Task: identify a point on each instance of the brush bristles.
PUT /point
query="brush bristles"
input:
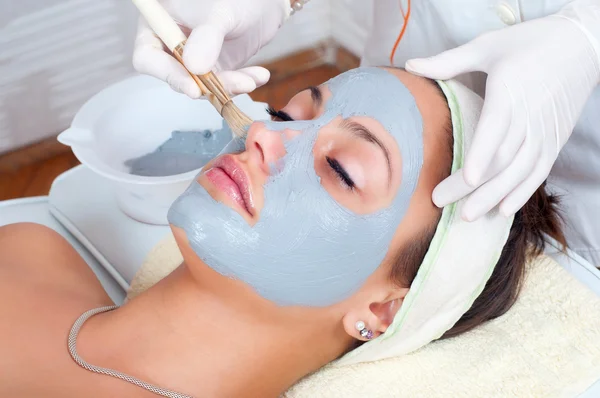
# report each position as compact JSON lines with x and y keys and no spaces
{"x":237,"y":120}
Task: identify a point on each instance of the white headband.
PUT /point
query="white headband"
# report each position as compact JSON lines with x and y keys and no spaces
{"x":459,"y":262}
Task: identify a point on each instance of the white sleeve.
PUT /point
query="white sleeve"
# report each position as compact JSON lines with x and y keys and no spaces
{"x":575,"y":176}
{"x":586,"y":14}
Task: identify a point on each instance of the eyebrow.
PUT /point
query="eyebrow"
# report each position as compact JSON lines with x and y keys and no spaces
{"x":365,"y":134}
{"x":315,"y":94}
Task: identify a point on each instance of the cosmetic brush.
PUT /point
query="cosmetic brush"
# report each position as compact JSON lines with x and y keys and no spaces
{"x":173,"y":37}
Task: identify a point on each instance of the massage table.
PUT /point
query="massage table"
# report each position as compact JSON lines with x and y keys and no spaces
{"x":81,"y":207}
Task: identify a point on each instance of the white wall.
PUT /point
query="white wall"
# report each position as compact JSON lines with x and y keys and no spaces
{"x":350,"y":22}
{"x":55,"y":54}
{"x":303,"y":30}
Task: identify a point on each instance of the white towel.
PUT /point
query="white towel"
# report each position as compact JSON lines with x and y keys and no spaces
{"x":546,"y":345}
{"x":160,"y":262}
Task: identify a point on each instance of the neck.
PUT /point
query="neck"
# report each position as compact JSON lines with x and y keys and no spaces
{"x":182,"y":336}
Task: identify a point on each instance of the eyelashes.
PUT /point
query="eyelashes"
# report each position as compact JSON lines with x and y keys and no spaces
{"x":340,"y":172}
{"x":338,"y":169}
{"x":281,"y":115}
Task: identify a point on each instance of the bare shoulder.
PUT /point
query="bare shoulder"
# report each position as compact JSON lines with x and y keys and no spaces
{"x":35,"y":256}
{"x":44,"y":286}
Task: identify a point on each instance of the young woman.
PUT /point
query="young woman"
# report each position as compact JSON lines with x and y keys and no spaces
{"x":317,"y":225}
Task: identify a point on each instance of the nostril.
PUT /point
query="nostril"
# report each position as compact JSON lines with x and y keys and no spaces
{"x":260,"y":150}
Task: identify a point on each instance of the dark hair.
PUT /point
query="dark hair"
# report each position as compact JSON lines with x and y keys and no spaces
{"x":538,"y":217}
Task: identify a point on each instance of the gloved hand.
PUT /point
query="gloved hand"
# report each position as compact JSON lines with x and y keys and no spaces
{"x":224,"y":35}
{"x":540,"y":75}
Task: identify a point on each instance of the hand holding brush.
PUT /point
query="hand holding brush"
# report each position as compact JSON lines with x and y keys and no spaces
{"x":174,"y":39}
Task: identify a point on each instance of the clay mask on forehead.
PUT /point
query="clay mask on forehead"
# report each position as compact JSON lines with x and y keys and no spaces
{"x":307,"y":249}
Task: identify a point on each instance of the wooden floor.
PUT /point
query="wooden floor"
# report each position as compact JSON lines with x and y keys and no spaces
{"x":35,"y":179}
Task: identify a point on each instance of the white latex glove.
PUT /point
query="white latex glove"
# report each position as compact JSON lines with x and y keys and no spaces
{"x":540,"y":75}
{"x":224,"y":35}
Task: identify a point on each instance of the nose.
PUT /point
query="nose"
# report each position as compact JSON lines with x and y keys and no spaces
{"x":265,"y":147}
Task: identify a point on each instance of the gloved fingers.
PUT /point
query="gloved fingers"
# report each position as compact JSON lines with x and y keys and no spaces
{"x":485,"y":198}
{"x":514,"y":139}
{"x":145,"y":36}
{"x":455,"y":187}
{"x":448,"y":64}
{"x":159,"y":64}
{"x":259,"y":74}
{"x":146,"y":43}
{"x":202,"y":48}
{"x":508,"y":150}
{"x":150,"y":58}
{"x":491,"y":193}
{"x":241,"y":81}
{"x":236,"y":83}
{"x":522,"y":193}
{"x":451,"y":189}
{"x":204,"y":44}
{"x":491,"y":131}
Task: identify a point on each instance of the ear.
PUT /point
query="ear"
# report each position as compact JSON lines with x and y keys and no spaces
{"x":376,"y":313}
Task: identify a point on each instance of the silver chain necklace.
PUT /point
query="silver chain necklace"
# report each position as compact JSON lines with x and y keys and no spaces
{"x":109,"y":372}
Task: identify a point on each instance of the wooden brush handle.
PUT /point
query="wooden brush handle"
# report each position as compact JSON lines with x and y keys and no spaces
{"x":161,"y":22}
{"x":178,"y":54}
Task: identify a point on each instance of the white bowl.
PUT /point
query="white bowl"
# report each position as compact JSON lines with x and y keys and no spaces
{"x":130,"y":119}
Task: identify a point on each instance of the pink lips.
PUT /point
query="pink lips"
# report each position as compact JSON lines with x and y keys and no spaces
{"x":231,"y":179}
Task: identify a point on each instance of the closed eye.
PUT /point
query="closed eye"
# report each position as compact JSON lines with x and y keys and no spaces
{"x":279,"y":115}
{"x":341,"y":173}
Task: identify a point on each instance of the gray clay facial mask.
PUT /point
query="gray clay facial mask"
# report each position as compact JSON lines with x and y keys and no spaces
{"x":306,"y":248}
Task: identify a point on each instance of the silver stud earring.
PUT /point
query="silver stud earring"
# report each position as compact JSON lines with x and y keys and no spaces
{"x":362,"y":329}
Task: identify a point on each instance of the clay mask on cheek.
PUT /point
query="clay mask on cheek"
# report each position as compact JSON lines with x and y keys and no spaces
{"x":306,"y":249}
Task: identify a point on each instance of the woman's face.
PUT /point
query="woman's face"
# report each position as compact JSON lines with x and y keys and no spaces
{"x":357,"y":160}
{"x":305,"y":210}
